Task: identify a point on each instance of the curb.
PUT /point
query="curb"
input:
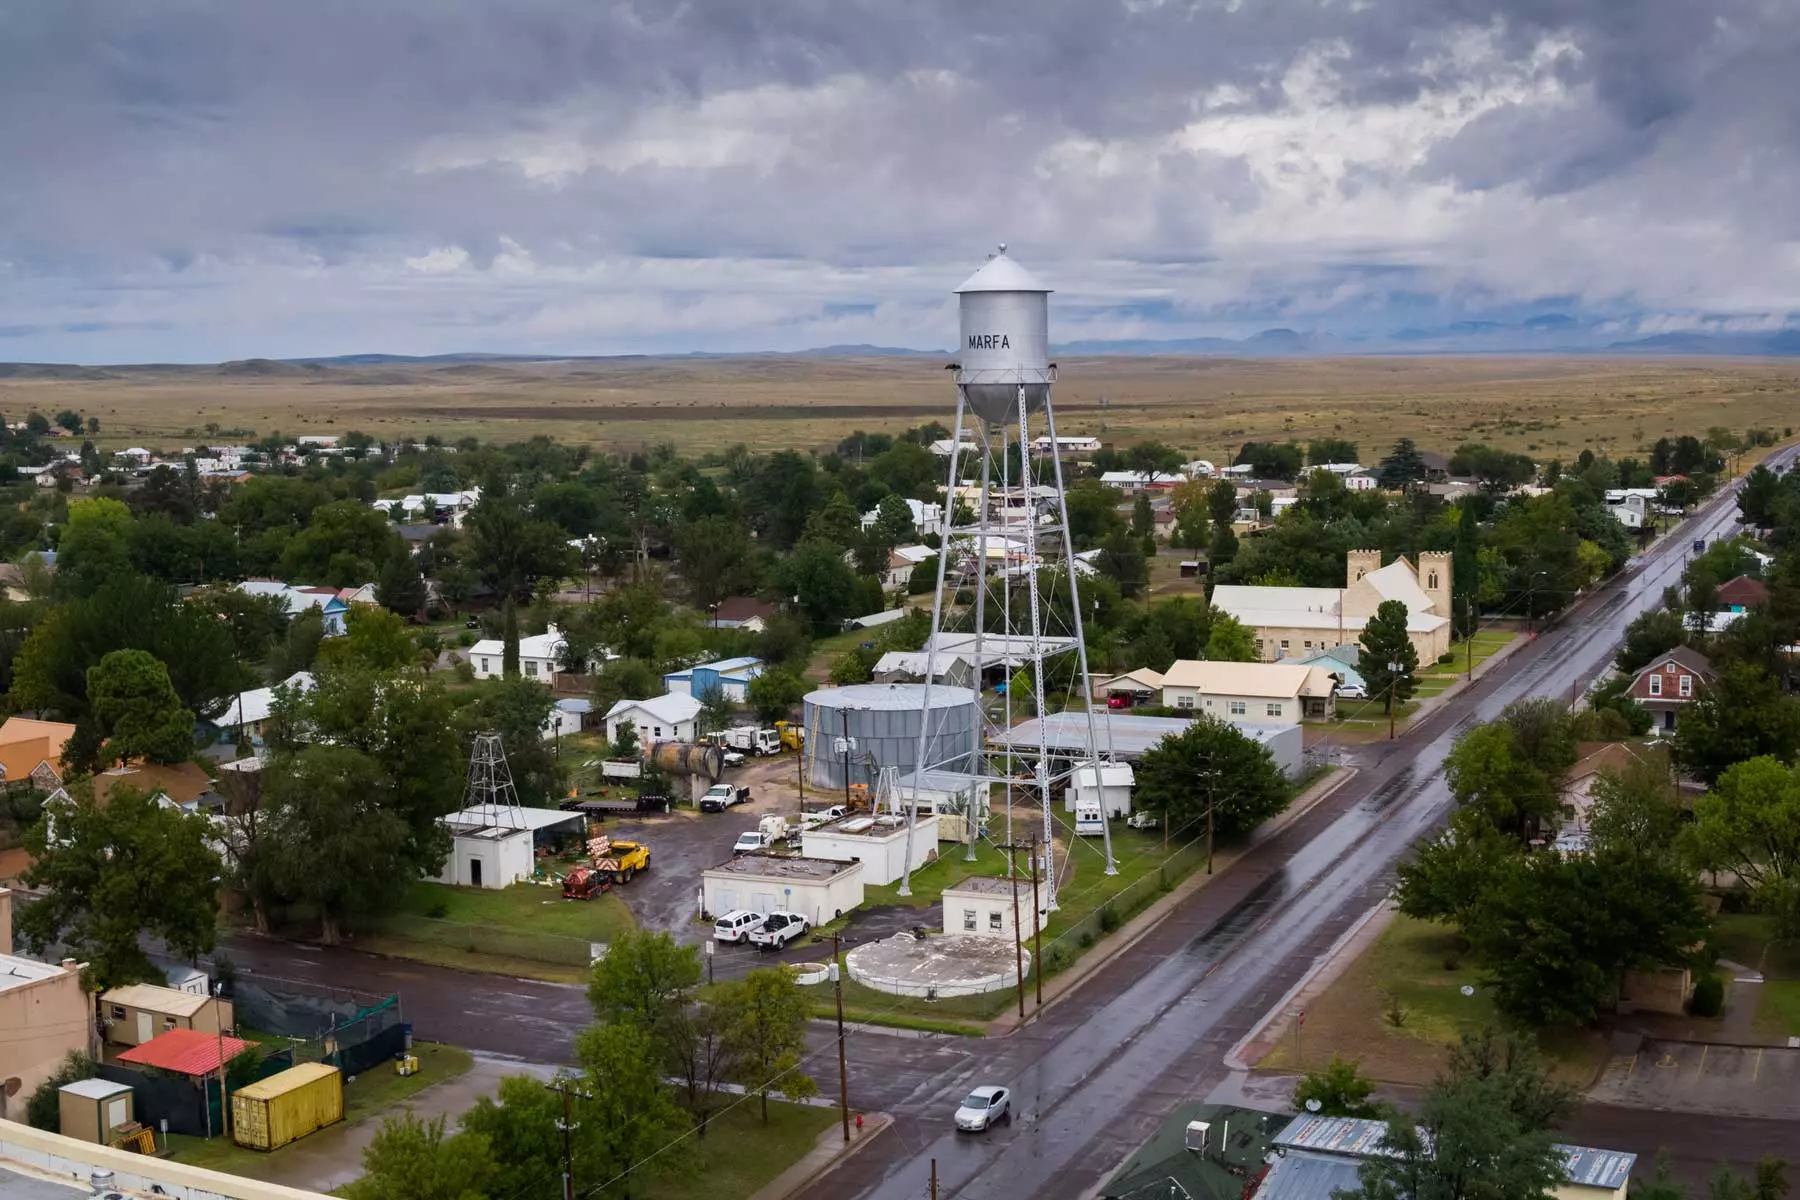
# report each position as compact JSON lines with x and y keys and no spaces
{"x":1141,"y":926}
{"x":806,"y":1172}
{"x":1276,"y":1017}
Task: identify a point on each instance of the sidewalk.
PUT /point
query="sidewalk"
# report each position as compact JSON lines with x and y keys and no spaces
{"x":1139,"y":926}
{"x":827,"y":1153}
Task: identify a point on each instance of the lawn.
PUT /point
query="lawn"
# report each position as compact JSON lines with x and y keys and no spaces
{"x":368,"y":1095}
{"x":827,"y":649}
{"x":1414,"y":974}
{"x":1748,"y":939}
{"x":526,"y":929}
{"x":739,"y":1154}
{"x":1488,"y":642}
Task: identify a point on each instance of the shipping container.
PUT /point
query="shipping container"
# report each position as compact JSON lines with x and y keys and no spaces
{"x":286,"y":1106}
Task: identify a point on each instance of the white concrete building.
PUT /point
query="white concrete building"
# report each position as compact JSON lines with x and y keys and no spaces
{"x":666,"y":718}
{"x":540,"y":656}
{"x":1258,"y":693}
{"x":817,"y":889}
{"x":491,"y":847}
{"x":982,"y":906}
{"x":878,"y":843}
{"x":568,"y":716}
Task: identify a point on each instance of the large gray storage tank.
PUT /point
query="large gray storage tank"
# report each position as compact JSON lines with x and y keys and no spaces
{"x":884,"y":719}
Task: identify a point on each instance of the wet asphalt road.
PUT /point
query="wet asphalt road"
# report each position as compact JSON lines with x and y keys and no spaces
{"x":1097,"y":1073}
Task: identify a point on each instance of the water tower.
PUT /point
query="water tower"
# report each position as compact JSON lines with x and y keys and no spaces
{"x":1018,"y":541}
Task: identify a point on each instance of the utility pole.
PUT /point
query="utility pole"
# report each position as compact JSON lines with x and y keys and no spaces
{"x":1037,"y":925}
{"x":1469,"y":633}
{"x":1393,"y":692}
{"x":568,"y":1127}
{"x":845,"y":740}
{"x":837,"y":983}
{"x":934,"y":1179}
{"x":1211,"y":800}
{"x":1018,"y":930}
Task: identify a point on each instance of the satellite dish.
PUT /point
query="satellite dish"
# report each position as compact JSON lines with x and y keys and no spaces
{"x":1468,"y":990}
{"x":1313,"y":1105}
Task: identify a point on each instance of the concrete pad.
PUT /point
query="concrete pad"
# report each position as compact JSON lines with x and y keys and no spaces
{"x":1748,"y":1081}
{"x":945,"y":965}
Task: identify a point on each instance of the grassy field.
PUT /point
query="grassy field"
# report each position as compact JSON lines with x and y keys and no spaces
{"x":1399,"y":1007}
{"x":1549,"y":406}
{"x":1748,"y":939}
{"x":525,"y":929}
{"x":739,"y":1154}
{"x":1432,"y":680}
{"x":369,"y":1095}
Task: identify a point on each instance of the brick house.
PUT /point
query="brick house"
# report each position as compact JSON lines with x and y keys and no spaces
{"x":1672,"y":682}
{"x":1742,"y":593}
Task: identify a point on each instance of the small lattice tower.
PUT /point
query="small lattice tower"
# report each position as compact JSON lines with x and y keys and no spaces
{"x":491,"y":784}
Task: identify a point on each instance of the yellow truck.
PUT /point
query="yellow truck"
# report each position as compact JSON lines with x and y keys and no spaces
{"x":617,"y":861}
{"x":793,"y":737}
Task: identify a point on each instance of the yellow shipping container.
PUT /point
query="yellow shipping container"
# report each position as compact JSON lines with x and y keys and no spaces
{"x":292,"y":1104}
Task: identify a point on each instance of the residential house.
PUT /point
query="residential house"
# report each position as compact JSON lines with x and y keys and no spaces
{"x":1065,"y":444}
{"x":1200,"y":468}
{"x":1201,"y":1152}
{"x":1141,"y":481}
{"x":927,"y":517}
{"x":33,"y":750}
{"x":1293,"y":622}
{"x":540,"y":656}
{"x":1341,"y":661}
{"x":364,"y":594}
{"x":729,"y":676}
{"x":174,"y":785}
{"x":299,"y":599}
{"x":1671,"y":683}
{"x":900,"y":564}
{"x":1258,"y":693}
{"x":742,"y":612}
{"x":944,"y":447}
{"x":666,"y":718}
{"x":34,"y":568}
{"x":1743,"y":593}
{"x":46,"y":1015}
{"x":244,"y":718}
{"x":910,"y":666}
{"x":1633,"y":508}
{"x":875,"y":620}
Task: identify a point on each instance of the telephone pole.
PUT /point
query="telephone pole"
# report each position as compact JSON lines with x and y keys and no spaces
{"x":1037,"y":926}
{"x":568,"y":1127}
{"x":1012,"y":849}
{"x":837,"y":984}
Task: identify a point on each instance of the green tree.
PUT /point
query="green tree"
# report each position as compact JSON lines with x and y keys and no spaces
{"x":1649,"y":636}
{"x":400,"y":586}
{"x":823,"y":584}
{"x":855,"y":665}
{"x":521,"y":1127}
{"x":1743,"y":715}
{"x":1525,"y":1090}
{"x":774,"y":693}
{"x":1192,"y":516}
{"x":1320,"y":451}
{"x":255,"y":622}
{"x":114,"y":871}
{"x":343,"y":544}
{"x":374,"y":638}
{"x":1143,"y":518}
{"x":1340,"y":1089}
{"x":44,"y":1109}
{"x":1492,"y":774}
{"x":1384,"y":646}
{"x":517,"y":709}
{"x":1749,"y":824}
{"x":136,"y":709}
{"x":1211,"y":763}
{"x":714,"y":553}
{"x":335,"y":839}
{"x":1222,"y":502}
{"x":625,"y":679}
{"x":1230,"y":640}
{"x":632,"y":1114}
{"x":1449,"y":877}
{"x":94,"y":546}
{"x":515,"y":553}
{"x":413,"y":1159}
{"x":625,"y":742}
{"x":298,"y":648}
{"x":767,"y":1036}
{"x":643,"y":980}
{"x":1121,"y":559}
{"x":1403,"y":466}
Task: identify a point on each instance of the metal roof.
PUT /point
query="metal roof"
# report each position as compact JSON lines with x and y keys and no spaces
{"x":94,"y":1089}
{"x":1002,"y":274}
{"x":185,"y":1051}
{"x":1067,"y":732}
{"x":1354,"y":1137}
{"x":1589,"y":1167}
{"x":1357,"y":1136}
{"x":892,"y":697}
{"x":152,"y":998}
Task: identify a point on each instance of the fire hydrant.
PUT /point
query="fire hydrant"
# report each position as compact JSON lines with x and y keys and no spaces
{"x":859,"y":1122}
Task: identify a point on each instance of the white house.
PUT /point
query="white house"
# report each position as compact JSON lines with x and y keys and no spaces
{"x":1065,"y":444}
{"x":982,"y":906}
{"x":817,"y":889}
{"x":1112,"y":790}
{"x":492,"y":846}
{"x":927,"y":518}
{"x":878,"y":843}
{"x":900,"y":564}
{"x":1253,"y":692}
{"x":909,"y":666}
{"x":568,"y":716}
{"x":1631,"y":507}
{"x":730,"y":677}
{"x":1200,"y":468}
{"x":331,"y":606}
{"x":1138,"y":481}
{"x":944,"y":446}
{"x":666,"y":718}
{"x":245,"y":715}
{"x":540,"y":656}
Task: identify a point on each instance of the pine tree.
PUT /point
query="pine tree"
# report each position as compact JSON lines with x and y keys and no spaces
{"x":1385,"y":646}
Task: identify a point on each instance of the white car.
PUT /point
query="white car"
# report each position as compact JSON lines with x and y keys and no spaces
{"x":777,"y":930}
{"x":1353,"y":691}
{"x":983,"y":1108}
{"x":750,"y":842}
{"x":736,"y":925}
{"x":733,"y":759}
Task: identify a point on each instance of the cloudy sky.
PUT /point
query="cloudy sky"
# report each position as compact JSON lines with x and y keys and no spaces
{"x":197,"y":180}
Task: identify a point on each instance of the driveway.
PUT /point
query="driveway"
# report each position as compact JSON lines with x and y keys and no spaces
{"x":1745,"y":1081}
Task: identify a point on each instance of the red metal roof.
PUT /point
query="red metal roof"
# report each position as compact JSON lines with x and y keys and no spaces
{"x":185,"y":1051}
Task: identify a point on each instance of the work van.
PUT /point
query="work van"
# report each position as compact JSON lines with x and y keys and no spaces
{"x":1088,"y":819}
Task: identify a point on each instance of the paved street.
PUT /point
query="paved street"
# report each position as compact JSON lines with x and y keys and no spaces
{"x":1097,"y":1074}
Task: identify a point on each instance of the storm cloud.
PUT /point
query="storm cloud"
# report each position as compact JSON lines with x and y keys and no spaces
{"x":199,"y":180}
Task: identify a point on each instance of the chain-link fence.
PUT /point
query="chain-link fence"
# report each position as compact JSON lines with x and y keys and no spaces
{"x":487,"y":939}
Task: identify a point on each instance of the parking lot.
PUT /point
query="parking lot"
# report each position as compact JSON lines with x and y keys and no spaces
{"x":1748,"y":1081}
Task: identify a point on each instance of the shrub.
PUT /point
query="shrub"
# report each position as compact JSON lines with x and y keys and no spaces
{"x":1109,"y":919}
{"x":1709,"y":996}
{"x":1446,"y":658}
{"x":43,"y":1110}
{"x":1086,"y":939}
{"x":438,"y":911}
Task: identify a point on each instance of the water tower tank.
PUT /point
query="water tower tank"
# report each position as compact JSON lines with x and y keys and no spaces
{"x":1005,"y":341}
